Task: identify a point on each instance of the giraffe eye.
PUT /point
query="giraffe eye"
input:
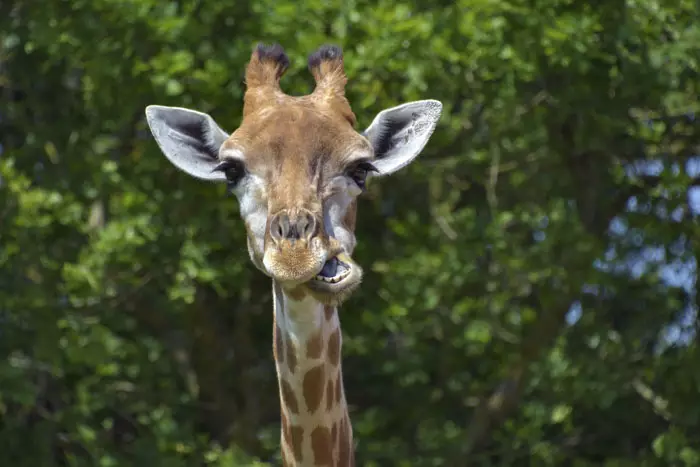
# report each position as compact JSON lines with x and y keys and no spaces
{"x":233,"y":169}
{"x":359,"y":173}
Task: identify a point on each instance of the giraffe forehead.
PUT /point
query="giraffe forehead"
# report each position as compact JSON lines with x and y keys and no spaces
{"x":297,"y":139}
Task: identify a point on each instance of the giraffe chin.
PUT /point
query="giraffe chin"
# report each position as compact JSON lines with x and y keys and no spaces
{"x":336,"y":281}
{"x":294,"y":264}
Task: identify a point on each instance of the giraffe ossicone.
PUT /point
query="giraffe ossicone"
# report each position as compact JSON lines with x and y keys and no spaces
{"x":296,"y":164}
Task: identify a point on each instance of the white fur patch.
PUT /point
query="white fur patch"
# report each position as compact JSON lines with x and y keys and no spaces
{"x":252,"y":199}
{"x":342,"y":192}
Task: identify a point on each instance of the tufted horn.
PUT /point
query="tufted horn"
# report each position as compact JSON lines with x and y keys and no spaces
{"x":265,"y":68}
{"x":327,"y":67}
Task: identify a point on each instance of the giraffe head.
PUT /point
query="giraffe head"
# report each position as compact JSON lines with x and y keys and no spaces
{"x":297,"y":165}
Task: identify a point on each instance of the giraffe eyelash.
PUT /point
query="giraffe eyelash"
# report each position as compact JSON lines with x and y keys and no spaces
{"x":359,"y":172}
{"x":233,"y":169}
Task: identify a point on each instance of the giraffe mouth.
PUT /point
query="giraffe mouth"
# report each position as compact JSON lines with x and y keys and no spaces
{"x":338,"y":277}
{"x":334,"y":271}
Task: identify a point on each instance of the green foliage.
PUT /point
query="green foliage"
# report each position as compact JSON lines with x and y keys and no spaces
{"x":134,"y":331}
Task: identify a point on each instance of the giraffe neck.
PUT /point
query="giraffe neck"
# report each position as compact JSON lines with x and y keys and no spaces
{"x":316,"y":428}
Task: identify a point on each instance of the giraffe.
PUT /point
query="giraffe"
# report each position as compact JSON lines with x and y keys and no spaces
{"x":296,"y":166}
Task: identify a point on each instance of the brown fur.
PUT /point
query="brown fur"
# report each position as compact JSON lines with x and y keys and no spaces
{"x":321,"y":446}
{"x":314,"y":346}
{"x":334,"y":348}
{"x":295,"y":146}
{"x":327,"y":67}
{"x":314,"y":385}
{"x":263,"y":73}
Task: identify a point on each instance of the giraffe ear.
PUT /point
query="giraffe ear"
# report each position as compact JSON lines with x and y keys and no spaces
{"x":189,"y":139}
{"x":399,"y":134}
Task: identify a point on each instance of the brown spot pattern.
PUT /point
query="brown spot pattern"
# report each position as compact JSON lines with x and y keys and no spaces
{"x":329,"y":394}
{"x":291,"y":355}
{"x":297,"y":435}
{"x":329,"y":311}
{"x":314,"y":346}
{"x":314,"y":387}
{"x":334,"y":347}
{"x":321,"y":446}
{"x":288,"y":397}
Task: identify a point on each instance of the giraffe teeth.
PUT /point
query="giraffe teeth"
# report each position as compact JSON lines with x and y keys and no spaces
{"x":333,"y":280}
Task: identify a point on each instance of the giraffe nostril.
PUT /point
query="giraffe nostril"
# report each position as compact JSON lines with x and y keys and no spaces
{"x":279,"y":226}
{"x":280,"y":231}
{"x":306,"y":225}
{"x":303,"y":225}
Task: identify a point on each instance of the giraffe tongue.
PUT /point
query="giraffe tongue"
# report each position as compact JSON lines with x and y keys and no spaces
{"x":330,"y":269}
{"x":333,"y":267}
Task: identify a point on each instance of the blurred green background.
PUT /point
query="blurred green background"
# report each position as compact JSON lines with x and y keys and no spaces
{"x":531,"y":280}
